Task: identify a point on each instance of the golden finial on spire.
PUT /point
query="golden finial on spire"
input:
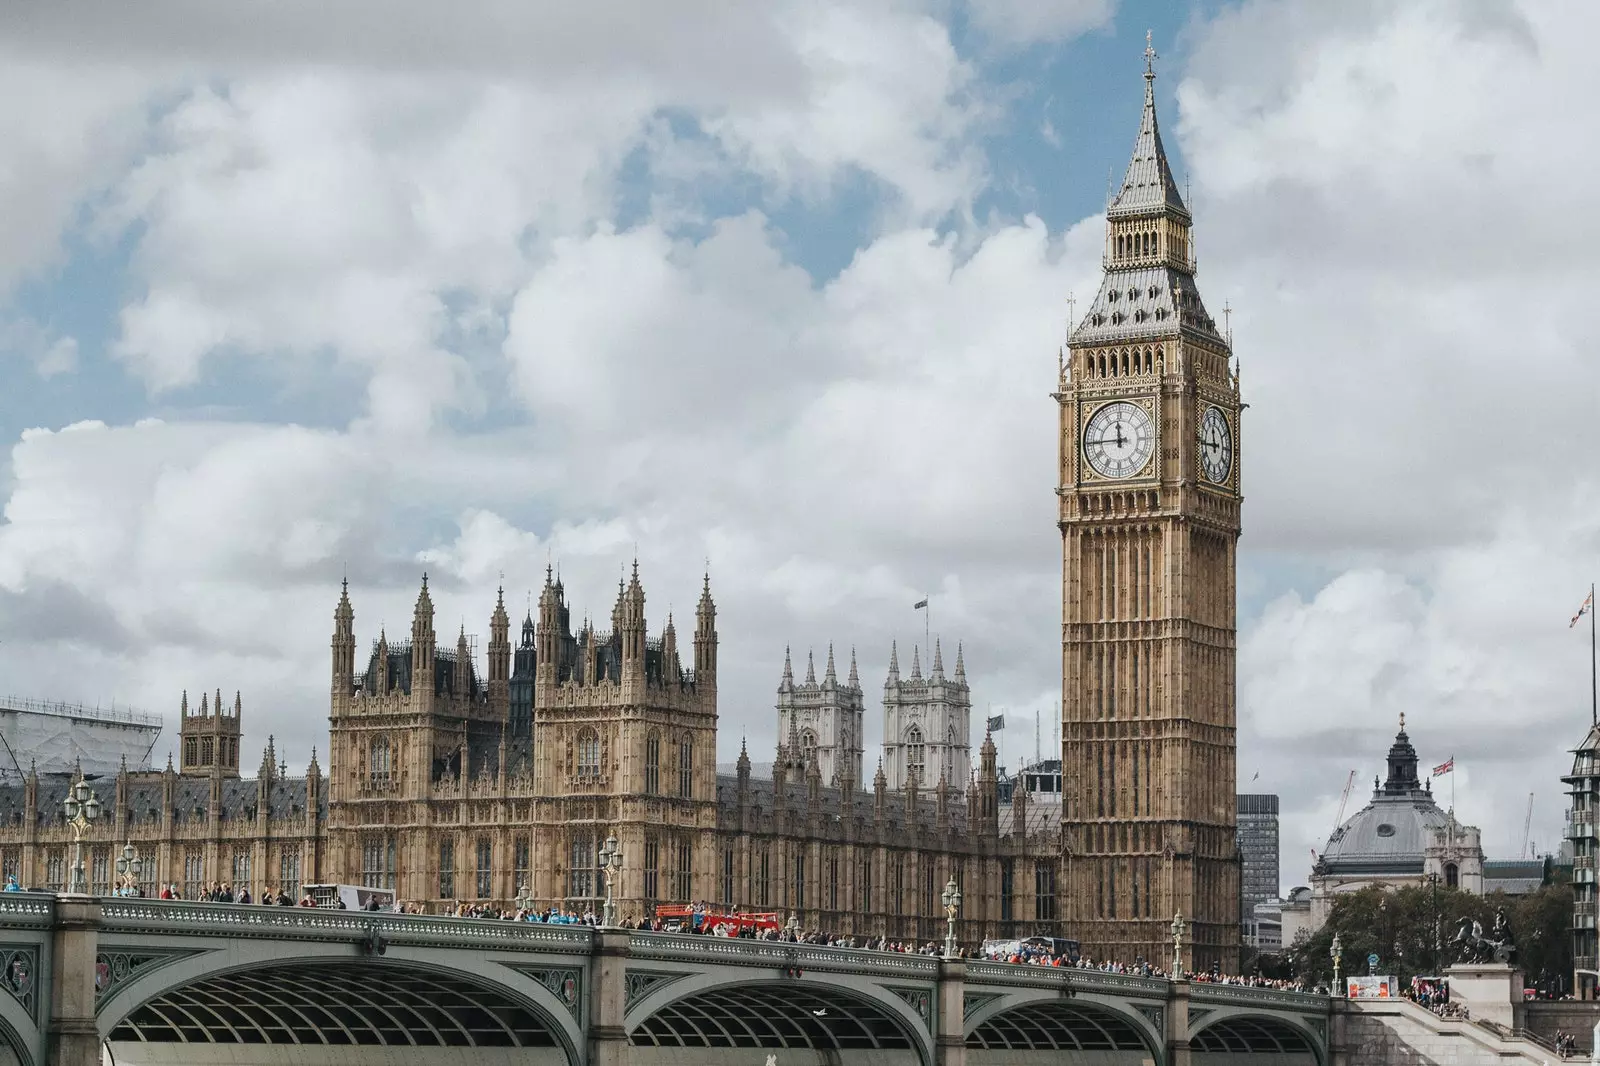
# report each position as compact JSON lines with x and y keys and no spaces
{"x":1150,"y":56}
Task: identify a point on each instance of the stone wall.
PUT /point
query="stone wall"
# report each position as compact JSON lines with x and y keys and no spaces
{"x":1399,"y":1033}
{"x":1547,"y":1017}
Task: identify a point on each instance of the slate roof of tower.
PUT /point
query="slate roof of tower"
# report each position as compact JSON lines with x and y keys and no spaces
{"x":1148,"y":184}
{"x":1147,"y":302}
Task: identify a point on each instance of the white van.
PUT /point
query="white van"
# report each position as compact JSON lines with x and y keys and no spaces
{"x":351,"y":897}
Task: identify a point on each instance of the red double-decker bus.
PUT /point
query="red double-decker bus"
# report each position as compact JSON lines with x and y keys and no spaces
{"x":688,"y":918}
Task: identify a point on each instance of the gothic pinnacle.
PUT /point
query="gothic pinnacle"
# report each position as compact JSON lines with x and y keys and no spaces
{"x":811,"y":668}
{"x":916,"y":661}
{"x":829,"y":676}
{"x":894,"y":660}
{"x":938,"y":660}
{"x":855,"y":678}
{"x":961,"y":667}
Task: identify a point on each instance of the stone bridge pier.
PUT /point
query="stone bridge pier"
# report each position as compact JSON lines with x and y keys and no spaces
{"x":145,"y":982}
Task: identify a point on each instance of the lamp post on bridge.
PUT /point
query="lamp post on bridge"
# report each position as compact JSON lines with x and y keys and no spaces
{"x":951,"y":898}
{"x":1336,"y":951}
{"x":1177,"y":946}
{"x":129,"y":867}
{"x":82,"y":808}
{"x":610,"y":863}
{"x":524,"y":900}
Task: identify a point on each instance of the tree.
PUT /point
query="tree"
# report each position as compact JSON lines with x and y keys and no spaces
{"x":1412,"y":931}
{"x":1542,"y":924}
{"x":1409,"y":929}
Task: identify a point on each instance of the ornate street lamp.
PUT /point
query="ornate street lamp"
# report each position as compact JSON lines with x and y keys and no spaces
{"x":610,"y":863}
{"x":82,"y":807}
{"x":951,"y":898}
{"x":794,"y":926}
{"x":524,"y":900}
{"x":1177,"y":946}
{"x":1336,"y":951}
{"x":1433,"y":879}
{"x":129,"y":867}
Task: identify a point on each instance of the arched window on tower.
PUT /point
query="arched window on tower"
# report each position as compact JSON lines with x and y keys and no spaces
{"x":380,"y":767}
{"x":207,"y":751}
{"x":916,"y":756}
{"x":190,"y":748}
{"x":652,"y":763}
{"x":1452,"y":875}
{"x":686,"y":768}
{"x":588,"y":753}
{"x":808,"y":746}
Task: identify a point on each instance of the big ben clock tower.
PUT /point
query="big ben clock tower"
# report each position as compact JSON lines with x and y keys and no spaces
{"x":1149,"y":493}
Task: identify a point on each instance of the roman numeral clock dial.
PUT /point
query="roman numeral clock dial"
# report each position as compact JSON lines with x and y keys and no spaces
{"x":1216,"y":446}
{"x":1119,"y":439}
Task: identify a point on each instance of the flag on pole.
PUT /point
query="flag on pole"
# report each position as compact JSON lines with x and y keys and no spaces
{"x":1588,"y":605}
{"x":1446,"y":767}
{"x":919,"y":605}
{"x":997,"y":723}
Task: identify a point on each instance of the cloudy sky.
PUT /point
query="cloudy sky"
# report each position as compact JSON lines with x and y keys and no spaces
{"x":395,"y":286}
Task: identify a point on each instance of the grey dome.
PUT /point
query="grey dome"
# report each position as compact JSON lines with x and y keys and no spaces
{"x":1389,"y":834}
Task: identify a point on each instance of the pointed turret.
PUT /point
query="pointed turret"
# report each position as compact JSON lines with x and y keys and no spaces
{"x":830,"y":678}
{"x":811,"y":668}
{"x":500,"y":653}
{"x":916,"y":663}
{"x":705,"y":636}
{"x":183,"y":707}
{"x":742,"y":768}
{"x":423,"y":647}
{"x":894,"y":662}
{"x":961,"y":667}
{"x":854,"y":680}
{"x":938,"y":661}
{"x":343,"y":649}
{"x":786,"y":683}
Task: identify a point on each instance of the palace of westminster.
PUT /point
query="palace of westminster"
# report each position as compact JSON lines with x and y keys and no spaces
{"x":449,"y":780}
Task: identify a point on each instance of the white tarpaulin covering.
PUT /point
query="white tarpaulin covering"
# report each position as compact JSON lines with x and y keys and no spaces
{"x":58,"y":736}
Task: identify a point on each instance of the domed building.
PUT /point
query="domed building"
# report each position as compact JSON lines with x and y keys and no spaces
{"x":1399,"y":838}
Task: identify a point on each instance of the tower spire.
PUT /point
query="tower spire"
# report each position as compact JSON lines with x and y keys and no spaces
{"x":829,"y":675}
{"x":1148,"y":184}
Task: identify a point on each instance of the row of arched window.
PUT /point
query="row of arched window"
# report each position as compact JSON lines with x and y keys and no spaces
{"x":1124,"y":363}
{"x":204,"y":751}
{"x":1145,"y":242}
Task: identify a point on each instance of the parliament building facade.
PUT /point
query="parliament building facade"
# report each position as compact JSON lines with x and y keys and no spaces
{"x":449,"y":785}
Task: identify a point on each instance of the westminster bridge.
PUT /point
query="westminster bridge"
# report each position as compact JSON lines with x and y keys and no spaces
{"x":135,"y":981}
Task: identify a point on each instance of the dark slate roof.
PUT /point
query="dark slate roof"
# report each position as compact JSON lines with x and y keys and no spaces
{"x":1145,"y":303}
{"x":834,"y":808}
{"x":1148,"y":186}
{"x":191,"y":798}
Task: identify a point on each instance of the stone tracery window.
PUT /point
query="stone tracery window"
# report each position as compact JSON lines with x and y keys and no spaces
{"x":652,"y":763}
{"x":686,"y":768}
{"x":808,"y":745}
{"x":916,"y":755}
{"x":588,"y":754}
{"x":380,"y":766}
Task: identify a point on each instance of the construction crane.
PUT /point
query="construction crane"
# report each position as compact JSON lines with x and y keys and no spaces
{"x":1349,"y":783}
{"x":1527,"y":827}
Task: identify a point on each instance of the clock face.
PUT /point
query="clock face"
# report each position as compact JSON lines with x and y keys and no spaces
{"x":1216,"y":445}
{"x":1119,"y":439}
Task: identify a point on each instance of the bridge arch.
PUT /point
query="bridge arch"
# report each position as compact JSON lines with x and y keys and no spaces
{"x":305,"y":1004}
{"x":1008,"y":1027}
{"x":708,"y":1018}
{"x":1223,"y":1036}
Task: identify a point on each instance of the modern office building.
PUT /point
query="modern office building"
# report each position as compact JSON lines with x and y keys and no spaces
{"x":1258,"y":855}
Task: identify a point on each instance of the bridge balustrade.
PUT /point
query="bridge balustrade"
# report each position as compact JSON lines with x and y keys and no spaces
{"x":143,"y":976}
